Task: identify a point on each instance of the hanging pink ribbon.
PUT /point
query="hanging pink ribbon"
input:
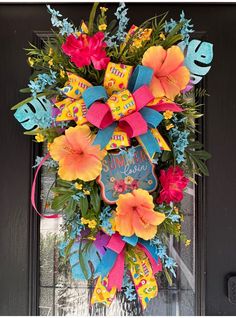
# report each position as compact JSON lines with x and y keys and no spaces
{"x":115,"y":277}
{"x":116,"y":274}
{"x":33,"y":190}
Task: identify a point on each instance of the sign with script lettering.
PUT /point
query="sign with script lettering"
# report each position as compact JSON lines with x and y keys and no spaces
{"x":124,"y":172}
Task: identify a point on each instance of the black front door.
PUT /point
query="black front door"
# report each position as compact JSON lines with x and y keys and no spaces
{"x":213,"y":224}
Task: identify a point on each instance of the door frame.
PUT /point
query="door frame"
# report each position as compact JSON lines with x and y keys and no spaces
{"x":19,"y":223}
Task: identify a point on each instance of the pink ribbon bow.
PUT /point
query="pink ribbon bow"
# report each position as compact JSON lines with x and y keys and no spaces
{"x":99,"y":114}
{"x":117,"y":245}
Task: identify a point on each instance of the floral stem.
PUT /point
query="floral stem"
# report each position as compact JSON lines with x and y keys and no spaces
{"x":92,"y":17}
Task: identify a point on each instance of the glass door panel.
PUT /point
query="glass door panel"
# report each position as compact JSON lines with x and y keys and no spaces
{"x":61,"y":295}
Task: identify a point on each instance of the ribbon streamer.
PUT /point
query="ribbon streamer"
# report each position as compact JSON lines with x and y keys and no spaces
{"x":143,"y":263}
{"x":73,"y":106}
{"x":142,"y":275}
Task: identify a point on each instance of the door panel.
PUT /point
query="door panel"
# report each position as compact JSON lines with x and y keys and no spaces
{"x":215,"y":227}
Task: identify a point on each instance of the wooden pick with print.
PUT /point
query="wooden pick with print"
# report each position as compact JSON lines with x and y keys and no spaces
{"x":124,"y":172}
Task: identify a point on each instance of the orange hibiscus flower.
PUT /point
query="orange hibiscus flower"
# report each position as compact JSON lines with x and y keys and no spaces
{"x":135,"y":215}
{"x":78,"y":158}
{"x":170,"y":76}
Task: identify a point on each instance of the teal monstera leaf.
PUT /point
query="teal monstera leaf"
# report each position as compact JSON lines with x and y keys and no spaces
{"x":36,"y":113}
{"x":198,"y":56}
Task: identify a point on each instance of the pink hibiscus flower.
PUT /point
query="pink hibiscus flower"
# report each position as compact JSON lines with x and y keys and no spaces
{"x":120,"y":186}
{"x":173,"y":183}
{"x":84,"y":50}
{"x":134,"y":185}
